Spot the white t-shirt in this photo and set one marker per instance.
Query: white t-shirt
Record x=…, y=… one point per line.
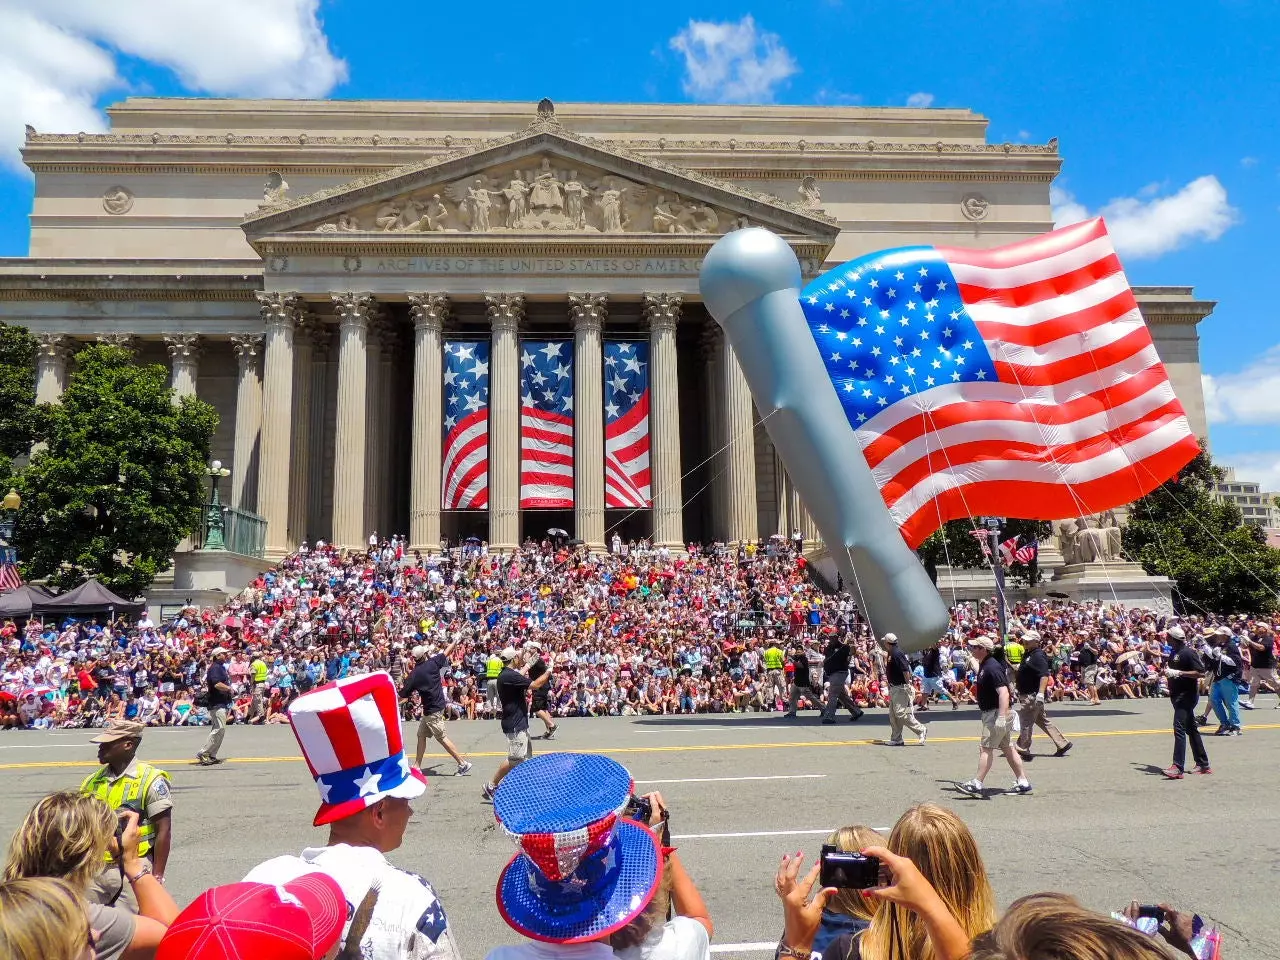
x=681, y=938
x=553, y=951
x=408, y=922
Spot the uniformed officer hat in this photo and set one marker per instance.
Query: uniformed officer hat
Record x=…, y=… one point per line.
x=120, y=730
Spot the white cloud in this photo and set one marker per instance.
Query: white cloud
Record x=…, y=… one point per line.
x=1150, y=227
x=1248, y=396
x=728, y=62
x=921, y=99
x=1247, y=162
x=57, y=57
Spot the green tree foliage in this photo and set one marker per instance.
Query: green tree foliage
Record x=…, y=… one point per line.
x=956, y=545
x=122, y=479
x=17, y=396
x=1182, y=531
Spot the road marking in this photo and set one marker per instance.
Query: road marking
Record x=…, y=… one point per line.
x=789, y=776
x=41, y=746
x=764, y=833
x=673, y=748
x=762, y=947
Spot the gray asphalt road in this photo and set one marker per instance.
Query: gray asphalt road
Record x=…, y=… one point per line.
x=1101, y=824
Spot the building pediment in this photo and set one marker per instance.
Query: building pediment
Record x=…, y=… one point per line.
x=543, y=182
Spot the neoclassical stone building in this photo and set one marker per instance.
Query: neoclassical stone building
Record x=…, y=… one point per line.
x=304, y=265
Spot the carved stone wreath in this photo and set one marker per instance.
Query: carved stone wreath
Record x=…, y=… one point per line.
x=117, y=201
x=975, y=206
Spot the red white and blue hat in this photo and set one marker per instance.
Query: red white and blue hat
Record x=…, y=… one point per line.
x=583, y=871
x=349, y=732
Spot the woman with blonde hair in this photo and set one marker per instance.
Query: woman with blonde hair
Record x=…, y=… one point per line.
x=68, y=836
x=1054, y=925
x=43, y=919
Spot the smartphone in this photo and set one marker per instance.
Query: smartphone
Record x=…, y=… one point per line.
x=1152, y=911
x=851, y=871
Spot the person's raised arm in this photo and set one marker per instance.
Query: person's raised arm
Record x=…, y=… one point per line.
x=684, y=894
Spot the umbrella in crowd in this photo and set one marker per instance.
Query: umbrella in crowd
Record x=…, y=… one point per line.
x=39, y=690
x=232, y=622
x=558, y=532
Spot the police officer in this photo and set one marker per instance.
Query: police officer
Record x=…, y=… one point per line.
x=125, y=782
x=258, y=673
x=774, y=664
x=492, y=667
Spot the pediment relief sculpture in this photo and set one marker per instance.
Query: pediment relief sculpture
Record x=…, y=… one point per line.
x=551, y=195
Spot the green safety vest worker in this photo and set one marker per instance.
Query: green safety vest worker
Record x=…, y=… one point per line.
x=1013, y=652
x=259, y=670
x=493, y=667
x=141, y=788
x=773, y=658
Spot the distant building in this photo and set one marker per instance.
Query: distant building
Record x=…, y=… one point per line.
x=1257, y=505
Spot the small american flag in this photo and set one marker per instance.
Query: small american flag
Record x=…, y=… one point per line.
x=9, y=577
x=1020, y=381
x=466, y=425
x=1027, y=554
x=626, y=424
x=546, y=423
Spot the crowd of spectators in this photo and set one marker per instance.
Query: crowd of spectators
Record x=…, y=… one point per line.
x=633, y=631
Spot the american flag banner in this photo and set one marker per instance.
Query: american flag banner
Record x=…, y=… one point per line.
x=1026, y=554
x=10, y=579
x=466, y=425
x=1017, y=381
x=546, y=423
x=626, y=424
x=1007, y=550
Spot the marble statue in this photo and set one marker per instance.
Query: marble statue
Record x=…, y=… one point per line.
x=1095, y=539
x=547, y=192
x=276, y=189
x=610, y=203
x=517, y=194
x=576, y=196
x=478, y=202
x=388, y=216
x=810, y=195
x=437, y=214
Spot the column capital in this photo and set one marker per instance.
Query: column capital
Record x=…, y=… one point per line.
x=183, y=346
x=279, y=309
x=354, y=309
x=125, y=341
x=588, y=310
x=53, y=346
x=505, y=310
x=429, y=310
x=662, y=310
x=247, y=348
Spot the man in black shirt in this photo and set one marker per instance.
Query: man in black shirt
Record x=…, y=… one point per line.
x=1184, y=670
x=425, y=681
x=835, y=667
x=1032, y=682
x=512, y=686
x=801, y=680
x=1224, y=663
x=218, y=683
x=541, y=707
x=1262, y=664
x=1087, y=661
x=902, y=695
x=997, y=719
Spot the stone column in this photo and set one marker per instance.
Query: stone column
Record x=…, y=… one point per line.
x=662, y=310
x=321, y=340
x=387, y=460
x=783, y=484
x=300, y=450
x=429, y=310
x=372, y=425
x=588, y=311
x=184, y=355
x=505, y=312
x=51, y=366
x=713, y=358
x=349, y=434
x=740, y=457
x=280, y=312
x=244, y=459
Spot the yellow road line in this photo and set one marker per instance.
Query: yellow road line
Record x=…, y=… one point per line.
x=671, y=748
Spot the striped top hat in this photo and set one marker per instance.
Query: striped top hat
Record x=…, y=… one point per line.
x=583, y=871
x=349, y=732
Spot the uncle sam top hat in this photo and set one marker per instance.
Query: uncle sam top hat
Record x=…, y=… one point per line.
x=349, y=732
x=583, y=871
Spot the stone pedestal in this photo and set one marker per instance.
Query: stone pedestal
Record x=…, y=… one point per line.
x=1120, y=582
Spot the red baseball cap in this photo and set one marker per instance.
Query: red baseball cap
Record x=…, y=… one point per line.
x=300, y=920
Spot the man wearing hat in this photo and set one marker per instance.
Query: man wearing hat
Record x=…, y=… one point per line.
x=902, y=694
x=349, y=732
x=512, y=684
x=124, y=782
x=994, y=704
x=218, y=684
x=1183, y=672
x=1032, y=682
x=540, y=706
x=1226, y=666
x=425, y=680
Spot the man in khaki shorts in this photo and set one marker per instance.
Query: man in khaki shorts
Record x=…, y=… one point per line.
x=513, y=683
x=425, y=680
x=997, y=720
x=1262, y=664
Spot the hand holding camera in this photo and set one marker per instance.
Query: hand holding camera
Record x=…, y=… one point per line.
x=801, y=916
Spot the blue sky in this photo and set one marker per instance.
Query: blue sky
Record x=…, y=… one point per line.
x=1166, y=112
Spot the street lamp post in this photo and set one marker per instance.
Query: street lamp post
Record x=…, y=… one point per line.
x=213, y=539
x=997, y=566
x=8, y=520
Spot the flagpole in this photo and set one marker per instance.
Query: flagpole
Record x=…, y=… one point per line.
x=997, y=566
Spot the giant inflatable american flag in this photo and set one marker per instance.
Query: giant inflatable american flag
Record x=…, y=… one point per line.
x=546, y=423
x=466, y=425
x=1019, y=380
x=626, y=424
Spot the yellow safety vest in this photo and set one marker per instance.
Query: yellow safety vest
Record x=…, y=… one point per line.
x=773, y=659
x=259, y=671
x=492, y=668
x=130, y=790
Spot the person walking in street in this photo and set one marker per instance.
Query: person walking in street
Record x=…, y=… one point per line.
x=803, y=682
x=1087, y=663
x=258, y=672
x=512, y=685
x=1032, y=683
x=425, y=681
x=1262, y=664
x=218, y=685
x=540, y=705
x=835, y=667
x=902, y=695
x=775, y=686
x=1224, y=662
x=1184, y=672
x=492, y=667
x=994, y=704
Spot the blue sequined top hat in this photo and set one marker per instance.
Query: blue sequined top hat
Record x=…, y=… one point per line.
x=583, y=871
